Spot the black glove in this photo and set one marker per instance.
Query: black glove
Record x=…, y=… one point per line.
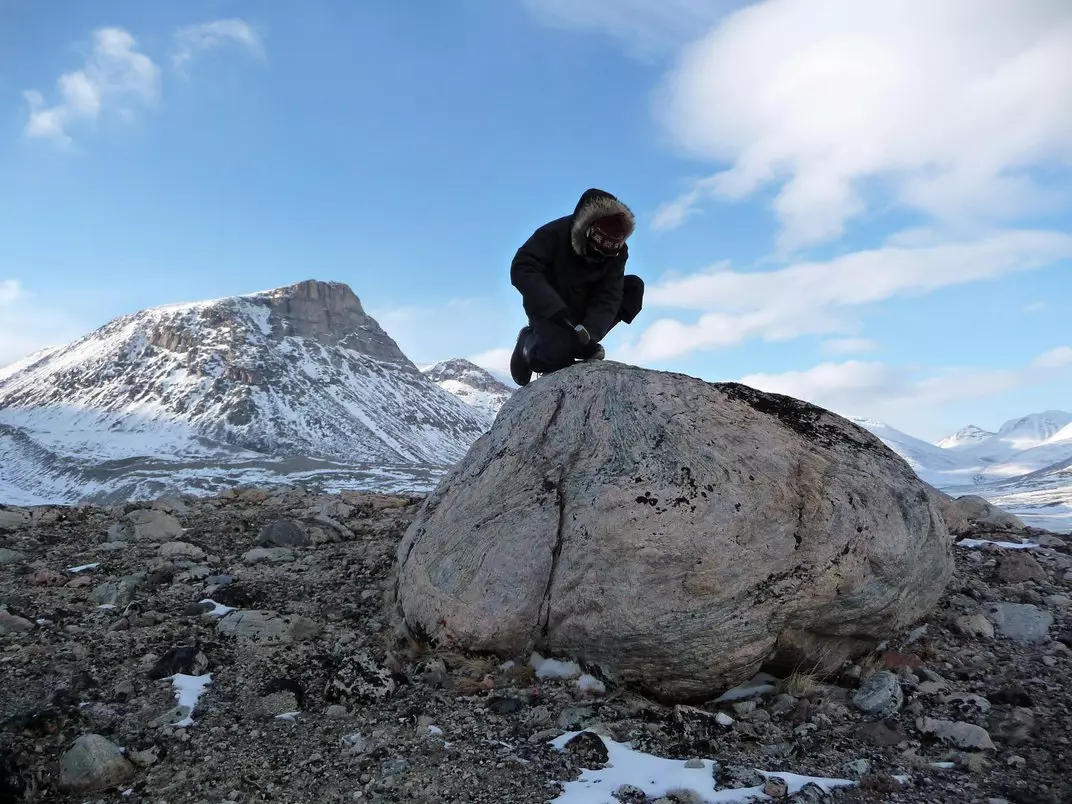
x=583, y=337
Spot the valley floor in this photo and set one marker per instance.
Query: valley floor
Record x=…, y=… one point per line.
x=301, y=701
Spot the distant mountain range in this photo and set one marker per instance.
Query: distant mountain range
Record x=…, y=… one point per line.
x=299, y=385
x=1025, y=467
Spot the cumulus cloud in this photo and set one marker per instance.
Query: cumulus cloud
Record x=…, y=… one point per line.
x=875, y=389
x=811, y=298
x=27, y=325
x=645, y=27
x=194, y=39
x=115, y=73
x=949, y=108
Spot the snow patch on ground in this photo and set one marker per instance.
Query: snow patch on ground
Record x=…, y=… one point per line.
x=188, y=690
x=657, y=777
x=1003, y=545
x=553, y=668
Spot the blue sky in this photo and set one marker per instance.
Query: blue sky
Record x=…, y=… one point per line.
x=863, y=206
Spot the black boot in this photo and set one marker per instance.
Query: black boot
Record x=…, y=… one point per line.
x=520, y=368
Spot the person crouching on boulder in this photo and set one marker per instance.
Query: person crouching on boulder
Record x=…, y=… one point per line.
x=573, y=285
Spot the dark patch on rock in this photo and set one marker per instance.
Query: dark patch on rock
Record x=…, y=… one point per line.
x=287, y=684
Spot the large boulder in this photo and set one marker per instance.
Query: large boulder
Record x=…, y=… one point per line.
x=676, y=533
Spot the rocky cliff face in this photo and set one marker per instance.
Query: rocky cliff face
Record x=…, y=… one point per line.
x=295, y=372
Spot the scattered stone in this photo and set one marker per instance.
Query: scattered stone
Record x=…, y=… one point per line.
x=146, y=524
x=11, y=623
x=275, y=555
x=282, y=533
x=968, y=702
x=880, y=696
x=93, y=763
x=13, y=519
x=1022, y=622
x=962, y=735
x=975, y=625
x=189, y=660
x=588, y=750
x=360, y=679
x=267, y=626
x=336, y=712
x=1019, y=566
x=115, y=593
x=47, y=577
x=895, y=661
x=775, y=787
x=10, y=557
x=181, y=550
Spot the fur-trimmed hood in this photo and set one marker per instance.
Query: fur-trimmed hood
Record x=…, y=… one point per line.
x=595, y=204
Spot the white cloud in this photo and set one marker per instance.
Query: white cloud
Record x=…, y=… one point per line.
x=115, y=73
x=194, y=39
x=1036, y=307
x=946, y=108
x=27, y=325
x=845, y=346
x=857, y=388
x=645, y=27
x=819, y=297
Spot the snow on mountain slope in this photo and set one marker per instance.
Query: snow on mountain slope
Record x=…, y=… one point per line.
x=966, y=437
x=929, y=461
x=295, y=371
x=471, y=384
x=1014, y=438
x=1034, y=483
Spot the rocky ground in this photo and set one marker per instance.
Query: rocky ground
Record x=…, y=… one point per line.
x=307, y=698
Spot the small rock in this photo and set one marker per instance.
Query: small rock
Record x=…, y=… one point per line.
x=47, y=577
x=219, y=580
x=588, y=750
x=1022, y=622
x=975, y=625
x=1058, y=601
x=112, y=547
x=880, y=696
x=968, y=702
x=901, y=661
x=10, y=557
x=144, y=524
x=116, y=593
x=694, y=764
x=504, y=705
x=360, y=679
x=12, y=623
x=629, y=794
x=336, y=712
x=277, y=703
x=11, y=520
x=143, y=759
x=860, y=767
x=962, y=735
x=277, y=555
x=180, y=550
x=744, y=708
x=775, y=787
x=1019, y=566
x=267, y=626
x=282, y=533
x=189, y=660
x=93, y=763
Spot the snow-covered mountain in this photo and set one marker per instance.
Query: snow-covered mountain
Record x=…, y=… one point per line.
x=471, y=384
x=293, y=378
x=969, y=436
x=1026, y=467
x=925, y=458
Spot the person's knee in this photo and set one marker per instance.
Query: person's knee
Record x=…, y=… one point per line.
x=632, y=298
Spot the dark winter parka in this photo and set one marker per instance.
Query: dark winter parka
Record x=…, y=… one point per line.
x=557, y=277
